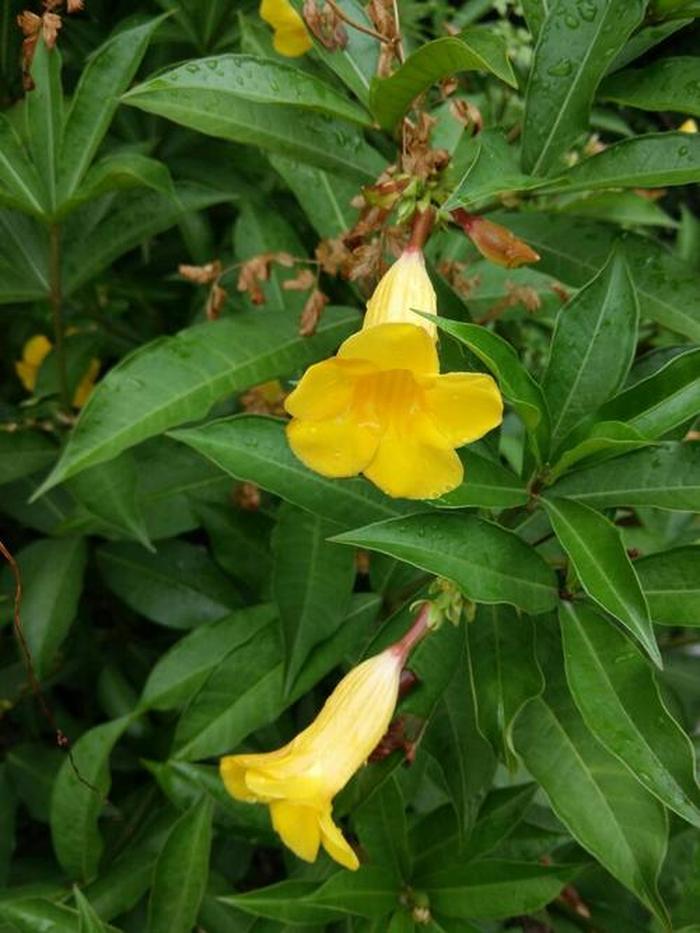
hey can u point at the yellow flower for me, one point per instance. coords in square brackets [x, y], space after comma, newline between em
[34, 352]
[291, 37]
[300, 780]
[381, 407]
[688, 126]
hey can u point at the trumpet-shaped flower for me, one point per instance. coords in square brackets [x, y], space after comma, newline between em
[34, 352]
[291, 37]
[381, 407]
[299, 781]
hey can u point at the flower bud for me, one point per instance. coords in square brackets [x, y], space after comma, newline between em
[403, 289]
[495, 243]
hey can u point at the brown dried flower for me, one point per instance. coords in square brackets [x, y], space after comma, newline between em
[325, 24]
[311, 313]
[201, 275]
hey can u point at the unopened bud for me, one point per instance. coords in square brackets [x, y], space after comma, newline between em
[495, 243]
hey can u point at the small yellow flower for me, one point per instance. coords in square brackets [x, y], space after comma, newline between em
[381, 407]
[300, 780]
[688, 126]
[291, 37]
[34, 352]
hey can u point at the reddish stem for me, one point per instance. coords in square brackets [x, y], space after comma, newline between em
[416, 632]
[463, 218]
[420, 230]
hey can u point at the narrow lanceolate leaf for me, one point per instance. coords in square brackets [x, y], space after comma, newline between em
[535, 14]
[76, 801]
[24, 258]
[592, 348]
[606, 810]
[178, 378]
[17, 173]
[576, 44]
[671, 584]
[382, 827]
[117, 172]
[106, 75]
[487, 484]
[599, 557]
[617, 695]
[44, 111]
[181, 872]
[23, 453]
[490, 564]
[666, 476]
[574, 252]
[52, 580]
[473, 50]
[312, 582]
[601, 441]
[254, 449]
[653, 161]
[494, 888]
[516, 383]
[666, 84]
[89, 921]
[264, 104]
[325, 198]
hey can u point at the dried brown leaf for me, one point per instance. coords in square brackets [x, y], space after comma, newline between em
[201, 275]
[302, 281]
[311, 313]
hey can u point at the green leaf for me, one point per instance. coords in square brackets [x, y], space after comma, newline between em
[52, 581]
[110, 491]
[107, 74]
[36, 915]
[325, 198]
[504, 671]
[666, 287]
[17, 173]
[119, 171]
[183, 669]
[89, 921]
[263, 103]
[23, 453]
[494, 889]
[254, 449]
[592, 347]
[595, 548]
[535, 13]
[32, 767]
[666, 476]
[607, 811]
[667, 84]
[651, 161]
[645, 39]
[618, 697]
[312, 583]
[44, 113]
[76, 805]
[382, 827]
[180, 874]
[516, 383]
[487, 484]
[178, 586]
[600, 441]
[576, 44]
[240, 543]
[24, 258]
[496, 567]
[178, 378]
[499, 815]
[476, 49]
[671, 584]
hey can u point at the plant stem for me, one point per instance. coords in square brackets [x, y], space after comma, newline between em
[399, 43]
[420, 230]
[56, 301]
[416, 633]
[368, 31]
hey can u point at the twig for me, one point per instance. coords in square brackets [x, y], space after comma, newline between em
[398, 44]
[355, 25]
[55, 300]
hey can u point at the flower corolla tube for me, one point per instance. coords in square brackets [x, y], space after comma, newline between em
[380, 407]
[299, 781]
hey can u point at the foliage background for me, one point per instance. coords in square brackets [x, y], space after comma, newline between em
[169, 622]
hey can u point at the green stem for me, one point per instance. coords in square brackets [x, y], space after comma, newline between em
[56, 302]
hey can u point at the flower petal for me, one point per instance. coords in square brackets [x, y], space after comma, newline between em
[325, 389]
[337, 447]
[36, 349]
[335, 843]
[292, 42]
[298, 827]
[233, 772]
[415, 461]
[463, 406]
[393, 346]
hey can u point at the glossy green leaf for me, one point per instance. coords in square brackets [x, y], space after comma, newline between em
[494, 888]
[671, 584]
[617, 695]
[23, 453]
[596, 550]
[177, 379]
[474, 49]
[600, 441]
[646, 38]
[89, 921]
[76, 805]
[312, 583]
[24, 258]
[576, 44]
[37, 915]
[178, 585]
[181, 871]
[266, 104]
[670, 83]
[606, 810]
[324, 197]
[516, 383]
[240, 543]
[499, 815]
[382, 828]
[487, 484]
[489, 563]
[666, 287]
[106, 76]
[255, 449]
[119, 171]
[535, 13]
[666, 476]
[504, 671]
[52, 581]
[44, 114]
[18, 176]
[592, 347]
